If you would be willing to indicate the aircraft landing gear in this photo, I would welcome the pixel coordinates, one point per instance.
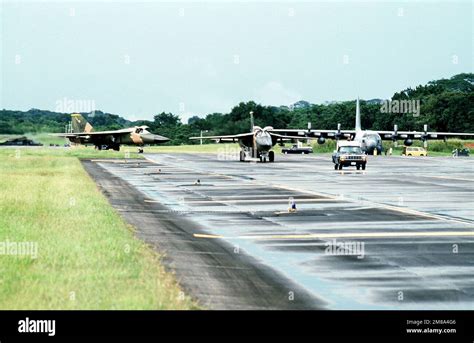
(267, 155)
(115, 147)
(271, 156)
(263, 157)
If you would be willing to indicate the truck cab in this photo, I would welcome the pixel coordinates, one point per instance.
(349, 154)
(297, 149)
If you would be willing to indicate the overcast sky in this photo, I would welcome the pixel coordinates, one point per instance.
(139, 59)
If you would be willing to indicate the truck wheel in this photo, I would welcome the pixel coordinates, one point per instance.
(242, 156)
(271, 156)
(335, 167)
(363, 167)
(340, 166)
(358, 167)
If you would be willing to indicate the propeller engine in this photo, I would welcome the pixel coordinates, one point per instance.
(395, 135)
(338, 133)
(424, 137)
(308, 133)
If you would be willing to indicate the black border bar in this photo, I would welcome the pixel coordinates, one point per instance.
(244, 323)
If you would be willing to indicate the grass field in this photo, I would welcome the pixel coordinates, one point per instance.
(87, 256)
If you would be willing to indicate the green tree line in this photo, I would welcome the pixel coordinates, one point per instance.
(445, 105)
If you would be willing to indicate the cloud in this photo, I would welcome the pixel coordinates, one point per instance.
(274, 93)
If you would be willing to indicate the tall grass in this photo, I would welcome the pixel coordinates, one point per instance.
(88, 257)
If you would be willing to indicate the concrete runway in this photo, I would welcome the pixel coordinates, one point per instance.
(399, 235)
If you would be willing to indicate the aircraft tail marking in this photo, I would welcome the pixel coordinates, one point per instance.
(79, 124)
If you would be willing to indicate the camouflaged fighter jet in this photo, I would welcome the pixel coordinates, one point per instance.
(83, 133)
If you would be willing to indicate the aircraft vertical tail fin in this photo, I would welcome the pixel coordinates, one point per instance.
(251, 121)
(79, 124)
(357, 124)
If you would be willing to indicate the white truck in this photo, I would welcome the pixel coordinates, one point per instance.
(349, 154)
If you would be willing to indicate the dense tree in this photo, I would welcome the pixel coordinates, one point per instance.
(445, 105)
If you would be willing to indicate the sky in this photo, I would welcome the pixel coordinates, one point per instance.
(193, 58)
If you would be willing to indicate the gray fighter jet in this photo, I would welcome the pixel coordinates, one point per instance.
(257, 143)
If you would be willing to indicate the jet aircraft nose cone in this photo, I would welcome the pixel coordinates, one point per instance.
(264, 142)
(151, 138)
(161, 139)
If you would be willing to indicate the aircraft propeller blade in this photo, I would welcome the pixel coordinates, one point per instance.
(338, 133)
(424, 136)
(394, 136)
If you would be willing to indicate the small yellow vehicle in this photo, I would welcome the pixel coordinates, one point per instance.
(414, 151)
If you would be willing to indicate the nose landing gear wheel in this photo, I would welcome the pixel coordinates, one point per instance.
(242, 156)
(271, 156)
